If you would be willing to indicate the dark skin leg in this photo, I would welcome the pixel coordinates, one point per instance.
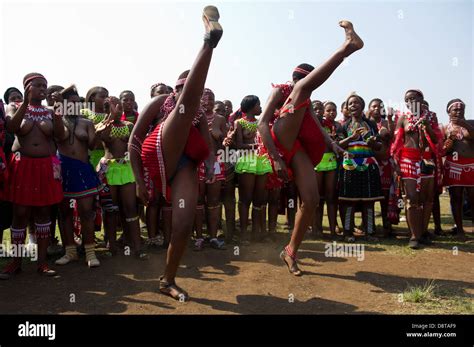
(229, 207)
(246, 187)
(54, 216)
(110, 222)
(457, 202)
(341, 214)
(128, 199)
(318, 217)
(292, 195)
(167, 215)
(141, 212)
(413, 212)
(384, 209)
(368, 212)
(258, 223)
(67, 223)
(264, 213)
(348, 218)
(184, 190)
(470, 192)
(213, 192)
(331, 199)
(427, 196)
(273, 202)
(42, 215)
(199, 217)
(85, 208)
(152, 212)
(176, 126)
(287, 128)
(308, 188)
(437, 212)
(21, 214)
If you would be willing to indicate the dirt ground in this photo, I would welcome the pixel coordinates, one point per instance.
(254, 281)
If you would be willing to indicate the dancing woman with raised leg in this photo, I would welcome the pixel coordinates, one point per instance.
(173, 151)
(296, 139)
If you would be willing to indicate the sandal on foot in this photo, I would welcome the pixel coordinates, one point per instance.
(172, 290)
(45, 270)
(214, 31)
(293, 269)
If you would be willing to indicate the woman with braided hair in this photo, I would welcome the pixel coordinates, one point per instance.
(296, 140)
(34, 170)
(166, 161)
(459, 163)
(414, 150)
(115, 170)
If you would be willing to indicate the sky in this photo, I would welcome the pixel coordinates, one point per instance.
(130, 45)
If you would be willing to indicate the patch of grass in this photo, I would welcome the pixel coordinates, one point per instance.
(431, 298)
(419, 293)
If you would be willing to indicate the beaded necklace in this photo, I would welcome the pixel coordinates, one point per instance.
(38, 113)
(248, 124)
(95, 117)
(353, 126)
(121, 131)
(455, 131)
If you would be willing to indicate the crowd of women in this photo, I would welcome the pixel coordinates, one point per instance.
(84, 162)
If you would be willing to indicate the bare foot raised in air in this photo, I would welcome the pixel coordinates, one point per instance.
(353, 41)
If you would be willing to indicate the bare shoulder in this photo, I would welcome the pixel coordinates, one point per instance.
(220, 119)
